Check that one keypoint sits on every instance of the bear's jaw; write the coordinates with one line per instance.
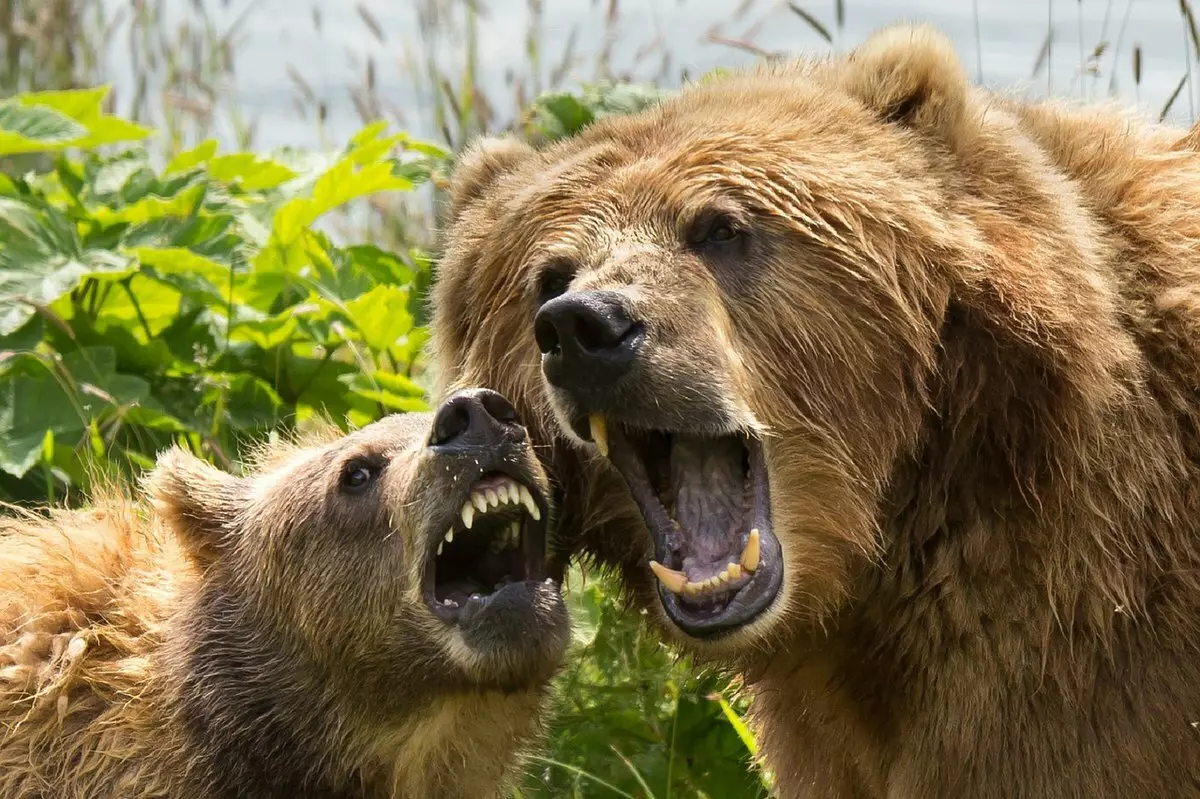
(706, 502)
(493, 544)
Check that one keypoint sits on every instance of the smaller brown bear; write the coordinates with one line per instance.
(365, 615)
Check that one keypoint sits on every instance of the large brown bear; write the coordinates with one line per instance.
(362, 616)
(898, 382)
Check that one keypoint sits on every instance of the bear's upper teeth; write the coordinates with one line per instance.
(505, 492)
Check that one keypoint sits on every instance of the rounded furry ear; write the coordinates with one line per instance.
(910, 75)
(480, 165)
(196, 500)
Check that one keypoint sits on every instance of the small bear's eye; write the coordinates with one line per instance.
(554, 280)
(356, 476)
(716, 230)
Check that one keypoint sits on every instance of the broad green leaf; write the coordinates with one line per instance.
(153, 207)
(37, 397)
(25, 129)
(251, 172)
(41, 259)
(338, 186)
(190, 159)
(380, 316)
(72, 118)
(391, 391)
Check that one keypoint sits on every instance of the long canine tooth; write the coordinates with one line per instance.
(480, 501)
(599, 430)
(468, 515)
(530, 505)
(492, 499)
(750, 553)
(675, 581)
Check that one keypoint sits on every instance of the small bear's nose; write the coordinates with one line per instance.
(586, 338)
(476, 417)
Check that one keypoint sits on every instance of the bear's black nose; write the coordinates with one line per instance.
(476, 417)
(586, 338)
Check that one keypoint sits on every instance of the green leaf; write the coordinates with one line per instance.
(739, 726)
(26, 128)
(42, 259)
(37, 397)
(57, 120)
(380, 316)
(251, 172)
(561, 115)
(190, 159)
(394, 392)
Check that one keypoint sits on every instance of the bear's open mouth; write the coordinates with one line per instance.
(706, 501)
(497, 538)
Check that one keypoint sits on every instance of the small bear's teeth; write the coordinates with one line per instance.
(514, 493)
(440, 545)
(480, 501)
(492, 499)
(449, 536)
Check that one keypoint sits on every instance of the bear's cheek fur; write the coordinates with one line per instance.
(354, 564)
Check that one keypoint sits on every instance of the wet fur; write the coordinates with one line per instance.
(127, 669)
(974, 355)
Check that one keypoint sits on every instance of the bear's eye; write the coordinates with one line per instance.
(554, 280)
(357, 475)
(713, 231)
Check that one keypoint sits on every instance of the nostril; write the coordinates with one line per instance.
(593, 333)
(500, 409)
(545, 334)
(453, 419)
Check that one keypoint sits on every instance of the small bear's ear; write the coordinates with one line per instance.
(910, 75)
(197, 501)
(480, 165)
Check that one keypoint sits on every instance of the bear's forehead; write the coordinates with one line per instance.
(666, 164)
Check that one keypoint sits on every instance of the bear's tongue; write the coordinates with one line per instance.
(707, 497)
(698, 500)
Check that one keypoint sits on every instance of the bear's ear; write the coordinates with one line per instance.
(910, 75)
(196, 500)
(480, 165)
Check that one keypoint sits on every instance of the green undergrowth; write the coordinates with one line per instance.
(205, 302)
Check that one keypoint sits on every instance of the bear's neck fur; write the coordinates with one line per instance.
(1037, 589)
(263, 720)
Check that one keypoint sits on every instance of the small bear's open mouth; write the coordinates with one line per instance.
(497, 539)
(706, 501)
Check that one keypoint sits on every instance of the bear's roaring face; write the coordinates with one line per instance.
(407, 557)
(729, 306)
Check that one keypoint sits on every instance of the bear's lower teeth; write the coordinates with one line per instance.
(731, 578)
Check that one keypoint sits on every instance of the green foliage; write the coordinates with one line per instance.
(203, 303)
(631, 718)
(557, 115)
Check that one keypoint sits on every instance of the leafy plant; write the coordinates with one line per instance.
(201, 303)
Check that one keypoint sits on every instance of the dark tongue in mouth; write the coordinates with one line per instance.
(709, 498)
(698, 498)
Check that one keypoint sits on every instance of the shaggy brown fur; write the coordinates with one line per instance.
(263, 635)
(966, 331)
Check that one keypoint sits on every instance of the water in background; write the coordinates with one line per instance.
(998, 40)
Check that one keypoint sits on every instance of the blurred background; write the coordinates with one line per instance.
(157, 291)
